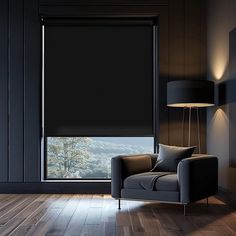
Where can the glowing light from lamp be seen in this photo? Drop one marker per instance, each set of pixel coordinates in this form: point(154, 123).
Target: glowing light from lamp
point(191, 105)
point(218, 53)
point(218, 132)
point(218, 67)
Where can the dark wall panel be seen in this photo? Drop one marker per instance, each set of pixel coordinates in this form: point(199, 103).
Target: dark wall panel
point(4, 91)
point(177, 45)
point(32, 61)
point(163, 76)
point(16, 96)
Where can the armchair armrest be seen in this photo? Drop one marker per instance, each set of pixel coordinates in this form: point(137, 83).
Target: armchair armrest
point(124, 166)
point(198, 177)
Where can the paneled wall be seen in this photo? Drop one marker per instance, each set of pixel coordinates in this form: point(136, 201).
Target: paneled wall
point(20, 91)
point(182, 56)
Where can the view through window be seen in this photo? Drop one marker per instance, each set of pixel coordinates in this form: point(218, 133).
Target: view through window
point(90, 157)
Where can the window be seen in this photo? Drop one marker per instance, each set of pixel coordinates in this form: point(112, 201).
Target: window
point(90, 157)
point(99, 83)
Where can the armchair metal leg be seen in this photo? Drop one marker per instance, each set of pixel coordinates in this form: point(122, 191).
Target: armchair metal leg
point(185, 209)
point(119, 204)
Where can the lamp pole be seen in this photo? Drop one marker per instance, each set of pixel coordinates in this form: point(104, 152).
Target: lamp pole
point(189, 125)
point(190, 108)
point(198, 131)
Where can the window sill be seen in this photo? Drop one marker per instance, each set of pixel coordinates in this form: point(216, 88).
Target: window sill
point(77, 180)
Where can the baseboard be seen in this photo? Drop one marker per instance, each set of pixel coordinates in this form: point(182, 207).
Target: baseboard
point(84, 188)
point(56, 187)
point(227, 196)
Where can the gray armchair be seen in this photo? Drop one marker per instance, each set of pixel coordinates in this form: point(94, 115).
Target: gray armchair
point(196, 178)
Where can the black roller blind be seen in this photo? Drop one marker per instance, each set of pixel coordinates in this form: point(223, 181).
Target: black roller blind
point(98, 79)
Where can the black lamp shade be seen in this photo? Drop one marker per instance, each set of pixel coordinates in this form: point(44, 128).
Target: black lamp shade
point(190, 93)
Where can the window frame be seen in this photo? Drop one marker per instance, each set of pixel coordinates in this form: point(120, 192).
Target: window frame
point(155, 110)
point(85, 179)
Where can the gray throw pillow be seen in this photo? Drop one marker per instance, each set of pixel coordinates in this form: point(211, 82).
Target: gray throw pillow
point(170, 156)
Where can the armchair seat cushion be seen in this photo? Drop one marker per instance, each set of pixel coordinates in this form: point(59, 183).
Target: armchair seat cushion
point(156, 181)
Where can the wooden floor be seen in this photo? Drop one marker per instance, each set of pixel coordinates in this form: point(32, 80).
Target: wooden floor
point(98, 215)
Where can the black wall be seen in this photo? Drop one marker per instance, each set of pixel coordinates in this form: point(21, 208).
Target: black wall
point(181, 56)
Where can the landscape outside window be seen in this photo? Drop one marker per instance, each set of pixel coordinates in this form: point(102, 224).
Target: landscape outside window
point(90, 157)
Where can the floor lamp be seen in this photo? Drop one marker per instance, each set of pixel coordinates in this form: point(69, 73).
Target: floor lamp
point(191, 94)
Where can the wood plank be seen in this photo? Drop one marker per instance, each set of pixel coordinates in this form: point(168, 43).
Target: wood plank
point(94, 211)
point(62, 221)
point(148, 222)
point(45, 223)
point(14, 208)
point(166, 221)
point(4, 196)
point(26, 229)
point(19, 218)
point(78, 219)
point(31, 222)
point(7, 197)
point(109, 212)
point(10, 202)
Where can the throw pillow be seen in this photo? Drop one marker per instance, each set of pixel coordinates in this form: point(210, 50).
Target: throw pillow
point(170, 156)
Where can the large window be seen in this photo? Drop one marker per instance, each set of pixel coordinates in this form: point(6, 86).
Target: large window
point(99, 83)
point(90, 157)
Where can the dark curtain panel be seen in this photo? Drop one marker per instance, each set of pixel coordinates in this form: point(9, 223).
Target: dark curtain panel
point(98, 80)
